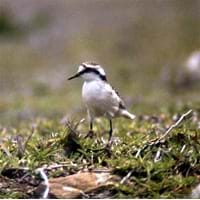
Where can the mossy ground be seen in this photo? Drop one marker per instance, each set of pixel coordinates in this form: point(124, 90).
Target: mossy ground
point(167, 169)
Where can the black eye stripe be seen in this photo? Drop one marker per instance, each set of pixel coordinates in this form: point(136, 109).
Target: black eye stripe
point(93, 70)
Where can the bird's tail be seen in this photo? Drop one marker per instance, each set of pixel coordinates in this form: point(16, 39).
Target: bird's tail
point(128, 115)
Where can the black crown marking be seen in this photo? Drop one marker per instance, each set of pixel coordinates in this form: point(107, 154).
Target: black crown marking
point(92, 70)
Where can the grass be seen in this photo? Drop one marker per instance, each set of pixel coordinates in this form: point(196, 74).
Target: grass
point(45, 142)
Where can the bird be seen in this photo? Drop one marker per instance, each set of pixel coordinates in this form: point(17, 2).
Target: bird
point(98, 95)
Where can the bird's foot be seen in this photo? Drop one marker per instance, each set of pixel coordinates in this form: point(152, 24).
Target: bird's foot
point(108, 147)
point(90, 134)
point(110, 141)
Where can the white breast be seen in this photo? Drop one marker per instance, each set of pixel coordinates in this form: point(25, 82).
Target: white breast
point(100, 99)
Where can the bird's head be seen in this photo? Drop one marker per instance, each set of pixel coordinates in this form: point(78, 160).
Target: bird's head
point(90, 71)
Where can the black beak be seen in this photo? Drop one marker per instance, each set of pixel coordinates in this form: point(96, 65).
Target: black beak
point(74, 76)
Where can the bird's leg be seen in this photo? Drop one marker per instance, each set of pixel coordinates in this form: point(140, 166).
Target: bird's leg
point(109, 144)
point(110, 131)
point(90, 133)
point(91, 125)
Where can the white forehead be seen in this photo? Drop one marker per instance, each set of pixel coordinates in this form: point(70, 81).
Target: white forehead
point(80, 68)
point(91, 65)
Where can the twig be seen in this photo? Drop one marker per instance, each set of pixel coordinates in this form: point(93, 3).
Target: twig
point(183, 148)
point(158, 140)
point(68, 125)
point(183, 116)
point(55, 166)
point(29, 136)
point(157, 157)
point(126, 177)
point(138, 153)
point(23, 144)
point(102, 170)
point(74, 128)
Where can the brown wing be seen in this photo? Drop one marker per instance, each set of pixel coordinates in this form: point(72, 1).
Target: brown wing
point(121, 102)
point(115, 97)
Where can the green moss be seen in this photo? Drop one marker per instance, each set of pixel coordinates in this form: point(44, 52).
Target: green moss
point(172, 175)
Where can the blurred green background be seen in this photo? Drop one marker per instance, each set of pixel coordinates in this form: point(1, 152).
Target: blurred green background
point(143, 46)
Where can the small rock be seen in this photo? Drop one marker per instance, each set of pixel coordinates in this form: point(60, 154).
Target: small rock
point(76, 185)
point(196, 192)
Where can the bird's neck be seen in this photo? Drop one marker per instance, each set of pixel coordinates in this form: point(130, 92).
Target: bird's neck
point(94, 81)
